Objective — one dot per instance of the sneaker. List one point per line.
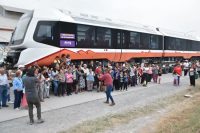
(40, 121)
(17, 109)
(112, 104)
(10, 102)
(106, 102)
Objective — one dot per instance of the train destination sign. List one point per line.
(67, 43)
(67, 36)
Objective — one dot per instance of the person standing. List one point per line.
(18, 90)
(159, 74)
(41, 84)
(55, 80)
(69, 80)
(30, 84)
(178, 71)
(62, 84)
(108, 81)
(90, 80)
(3, 88)
(185, 67)
(192, 72)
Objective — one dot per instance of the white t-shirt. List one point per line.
(3, 79)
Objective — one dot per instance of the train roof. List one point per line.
(94, 20)
(81, 18)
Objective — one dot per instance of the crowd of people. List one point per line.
(63, 77)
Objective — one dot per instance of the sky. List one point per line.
(176, 15)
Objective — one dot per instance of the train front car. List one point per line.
(23, 41)
(16, 44)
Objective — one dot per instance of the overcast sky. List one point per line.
(177, 15)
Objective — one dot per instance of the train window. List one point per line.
(154, 42)
(178, 44)
(134, 40)
(195, 46)
(20, 31)
(170, 43)
(183, 45)
(46, 32)
(85, 36)
(145, 41)
(189, 45)
(125, 39)
(103, 38)
(116, 39)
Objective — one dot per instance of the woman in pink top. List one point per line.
(69, 80)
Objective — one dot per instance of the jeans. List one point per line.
(3, 94)
(108, 93)
(55, 89)
(178, 80)
(46, 89)
(18, 98)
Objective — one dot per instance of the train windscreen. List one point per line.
(20, 30)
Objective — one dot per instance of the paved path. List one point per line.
(65, 112)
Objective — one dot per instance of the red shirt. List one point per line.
(107, 79)
(178, 70)
(98, 70)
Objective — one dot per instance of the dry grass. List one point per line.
(184, 117)
(108, 122)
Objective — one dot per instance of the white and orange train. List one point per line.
(43, 34)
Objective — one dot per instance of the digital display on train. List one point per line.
(67, 36)
(67, 40)
(67, 43)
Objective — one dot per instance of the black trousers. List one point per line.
(18, 98)
(185, 72)
(69, 88)
(61, 88)
(192, 80)
(125, 85)
(144, 78)
(116, 84)
(121, 85)
(30, 109)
